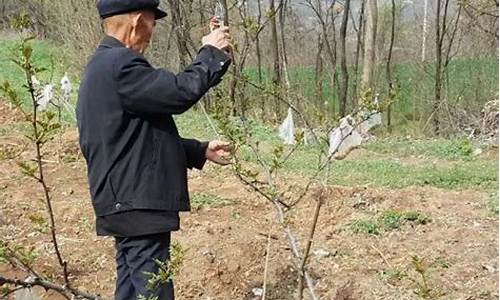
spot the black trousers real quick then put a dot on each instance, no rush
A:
(135, 256)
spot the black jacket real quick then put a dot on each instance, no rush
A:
(136, 159)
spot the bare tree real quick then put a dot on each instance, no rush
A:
(424, 30)
(275, 52)
(180, 32)
(443, 56)
(327, 24)
(370, 44)
(319, 66)
(359, 44)
(257, 41)
(483, 15)
(389, 60)
(284, 57)
(343, 58)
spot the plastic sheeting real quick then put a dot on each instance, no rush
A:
(344, 139)
(287, 129)
(373, 120)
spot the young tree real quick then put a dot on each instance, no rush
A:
(327, 25)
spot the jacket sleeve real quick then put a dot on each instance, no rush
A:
(145, 90)
(195, 153)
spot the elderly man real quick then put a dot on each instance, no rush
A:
(137, 162)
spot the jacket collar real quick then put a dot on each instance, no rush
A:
(111, 42)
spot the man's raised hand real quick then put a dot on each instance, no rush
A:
(218, 152)
(220, 37)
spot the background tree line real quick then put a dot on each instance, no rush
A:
(435, 61)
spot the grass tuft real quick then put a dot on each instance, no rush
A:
(388, 221)
(200, 200)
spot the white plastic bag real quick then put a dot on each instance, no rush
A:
(287, 129)
(310, 137)
(66, 86)
(46, 96)
(344, 139)
(373, 120)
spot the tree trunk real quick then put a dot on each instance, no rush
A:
(424, 30)
(284, 58)
(388, 65)
(370, 45)
(343, 58)
(416, 108)
(257, 42)
(275, 53)
(356, 56)
(177, 20)
(438, 86)
(319, 72)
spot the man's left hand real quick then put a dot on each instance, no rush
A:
(218, 152)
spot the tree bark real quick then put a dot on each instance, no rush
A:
(356, 56)
(370, 45)
(257, 41)
(182, 45)
(438, 86)
(343, 58)
(319, 71)
(424, 30)
(331, 50)
(275, 54)
(388, 65)
(284, 57)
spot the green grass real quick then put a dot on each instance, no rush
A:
(200, 200)
(45, 55)
(448, 149)
(366, 227)
(387, 221)
(493, 202)
(441, 163)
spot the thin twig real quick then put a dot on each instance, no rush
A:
(381, 255)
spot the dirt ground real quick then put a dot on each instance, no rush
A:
(226, 245)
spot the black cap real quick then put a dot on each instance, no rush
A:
(108, 8)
